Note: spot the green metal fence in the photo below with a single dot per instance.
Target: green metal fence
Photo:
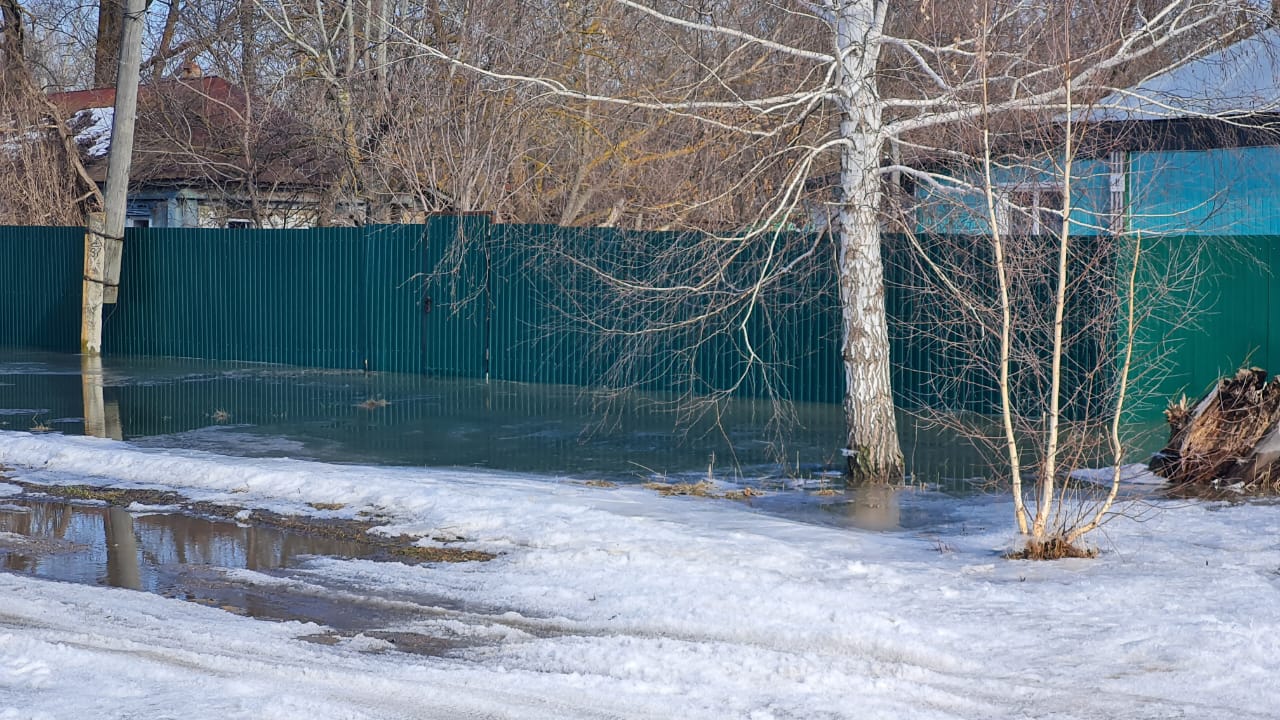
(461, 297)
(40, 275)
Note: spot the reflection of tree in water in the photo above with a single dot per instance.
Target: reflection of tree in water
(875, 507)
(123, 567)
(40, 520)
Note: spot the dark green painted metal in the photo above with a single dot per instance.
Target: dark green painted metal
(257, 295)
(1222, 321)
(458, 296)
(41, 270)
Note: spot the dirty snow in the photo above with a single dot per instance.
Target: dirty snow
(615, 603)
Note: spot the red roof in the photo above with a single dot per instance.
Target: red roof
(72, 102)
(212, 87)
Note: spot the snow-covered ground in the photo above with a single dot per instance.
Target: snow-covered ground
(607, 603)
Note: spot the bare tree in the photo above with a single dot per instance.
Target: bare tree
(46, 183)
(1054, 282)
(865, 91)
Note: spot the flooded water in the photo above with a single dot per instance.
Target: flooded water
(193, 558)
(394, 419)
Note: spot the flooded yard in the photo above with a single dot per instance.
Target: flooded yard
(394, 419)
(263, 565)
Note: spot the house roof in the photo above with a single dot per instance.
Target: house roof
(1241, 79)
(193, 131)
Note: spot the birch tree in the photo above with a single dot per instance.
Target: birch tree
(1056, 281)
(886, 82)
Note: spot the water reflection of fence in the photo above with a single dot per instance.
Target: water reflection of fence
(394, 418)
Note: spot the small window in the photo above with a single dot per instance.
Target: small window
(137, 222)
(1033, 211)
(239, 224)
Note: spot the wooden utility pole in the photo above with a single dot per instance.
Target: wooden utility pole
(104, 241)
(118, 162)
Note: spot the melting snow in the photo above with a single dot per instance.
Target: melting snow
(615, 603)
(92, 128)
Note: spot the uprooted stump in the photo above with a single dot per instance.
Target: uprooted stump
(1231, 436)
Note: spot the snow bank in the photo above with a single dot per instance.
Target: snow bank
(617, 603)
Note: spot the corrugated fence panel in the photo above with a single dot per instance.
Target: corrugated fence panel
(425, 296)
(458, 296)
(530, 339)
(391, 267)
(254, 295)
(1231, 281)
(40, 286)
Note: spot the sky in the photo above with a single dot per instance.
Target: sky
(619, 603)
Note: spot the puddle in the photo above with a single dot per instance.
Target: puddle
(197, 559)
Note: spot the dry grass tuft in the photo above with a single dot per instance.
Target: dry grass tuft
(600, 484)
(1055, 548)
(415, 553)
(373, 403)
(745, 493)
(41, 428)
(326, 506)
(221, 416)
(703, 488)
(121, 497)
(698, 489)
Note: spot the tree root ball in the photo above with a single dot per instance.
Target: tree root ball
(1230, 437)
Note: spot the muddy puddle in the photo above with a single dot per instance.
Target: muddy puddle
(177, 554)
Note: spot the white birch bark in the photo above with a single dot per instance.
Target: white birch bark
(873, 450)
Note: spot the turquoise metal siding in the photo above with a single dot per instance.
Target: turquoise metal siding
(1225, 191)
(40, 278)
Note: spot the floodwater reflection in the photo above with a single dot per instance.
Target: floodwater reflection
(393, 419)
(177, 555)
(112, 546)
(875, 506)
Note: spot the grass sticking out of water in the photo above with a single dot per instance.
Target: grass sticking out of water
(702, 488)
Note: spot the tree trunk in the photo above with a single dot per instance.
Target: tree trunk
(106, 52)
(873, 451)
(12, 43)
